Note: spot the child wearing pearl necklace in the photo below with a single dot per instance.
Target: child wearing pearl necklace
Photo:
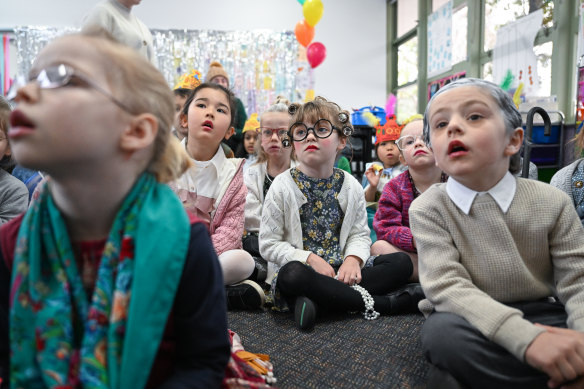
(314, 231)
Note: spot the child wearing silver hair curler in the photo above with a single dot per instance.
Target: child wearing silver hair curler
(314, 231)
(501, 285)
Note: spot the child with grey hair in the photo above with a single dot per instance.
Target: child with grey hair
(489, 273)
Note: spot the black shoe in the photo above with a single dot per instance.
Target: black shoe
(244, 295)
(441, 379)
(261, 267)
(304, 313)
(406, 299)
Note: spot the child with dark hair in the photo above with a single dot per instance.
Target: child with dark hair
(250, 132)
(214, 189)
(13, 193)
(389, 166)
(184, 87)
(490, 271)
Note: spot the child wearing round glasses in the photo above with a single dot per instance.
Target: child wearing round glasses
(272, 160)
(314, 231)
(105, 281)
(391, 222)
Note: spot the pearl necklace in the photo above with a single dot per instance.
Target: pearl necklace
(369, 313)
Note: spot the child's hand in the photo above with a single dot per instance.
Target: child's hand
(350, 271)
(558, 352)
(372, 176)
(320, 265)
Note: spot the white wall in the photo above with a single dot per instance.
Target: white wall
(353, 74)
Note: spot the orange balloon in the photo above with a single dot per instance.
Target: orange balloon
(304, 33)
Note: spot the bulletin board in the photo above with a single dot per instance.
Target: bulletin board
(434, 86)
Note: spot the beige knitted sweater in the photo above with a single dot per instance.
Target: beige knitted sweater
(470, 264)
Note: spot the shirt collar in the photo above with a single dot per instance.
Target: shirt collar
(218, 159)
(503, 193)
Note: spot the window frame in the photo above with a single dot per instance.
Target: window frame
(563, 34)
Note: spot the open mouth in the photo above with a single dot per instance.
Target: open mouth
(20, 125)
(418, 152)
(208, 124)
(18, 119)
(456, 148)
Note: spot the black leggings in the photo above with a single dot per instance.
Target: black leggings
(389, 272)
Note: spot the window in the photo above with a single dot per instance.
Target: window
(407, 16)
(407, 102)
(407, 62)
(500, 12)
(459, 32)
(437, 4)
(544, 67)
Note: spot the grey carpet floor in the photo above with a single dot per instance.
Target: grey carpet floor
(342, 351)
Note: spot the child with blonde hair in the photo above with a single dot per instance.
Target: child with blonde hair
(105, 281)
(314, 233)
(501, 287)
(214, 190)
(272, 160)
(391, 222)
(13, 192)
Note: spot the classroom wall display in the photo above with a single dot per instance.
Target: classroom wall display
(440, 40)
(434, 86)
(513, 53)
(261, 64)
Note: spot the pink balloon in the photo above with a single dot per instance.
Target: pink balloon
(315, 53)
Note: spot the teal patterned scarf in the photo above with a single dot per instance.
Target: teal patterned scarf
(61, 340)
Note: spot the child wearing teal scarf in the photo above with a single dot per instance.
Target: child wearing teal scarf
(155, 312)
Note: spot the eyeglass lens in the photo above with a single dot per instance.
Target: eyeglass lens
(322, 129)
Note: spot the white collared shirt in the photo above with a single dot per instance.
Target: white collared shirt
(205, 177)
(503, 193)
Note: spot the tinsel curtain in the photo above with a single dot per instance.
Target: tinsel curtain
(261, 64)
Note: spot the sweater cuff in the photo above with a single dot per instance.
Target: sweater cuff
(516, 334)
(300, 256)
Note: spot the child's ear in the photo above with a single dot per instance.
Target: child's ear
(140, 133)
(515, 142)
(402, 160)
(229, 133)
(342, 143)
(184, 120)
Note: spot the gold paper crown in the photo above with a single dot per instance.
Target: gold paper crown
(251, 124)
(388, 132)
(189, 80)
